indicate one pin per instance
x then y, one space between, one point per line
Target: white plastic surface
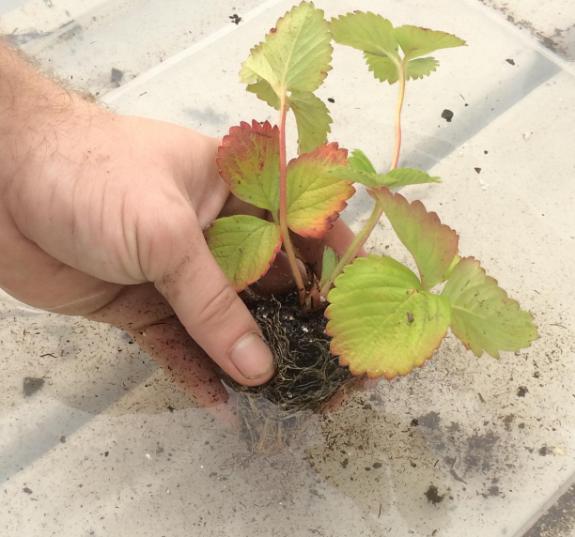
109 447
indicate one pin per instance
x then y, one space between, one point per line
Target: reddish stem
288 245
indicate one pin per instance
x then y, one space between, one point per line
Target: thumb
213 314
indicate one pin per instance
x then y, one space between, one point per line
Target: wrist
34 112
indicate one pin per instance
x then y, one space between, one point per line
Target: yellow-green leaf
264 91
484 318
401 177
359 169
314 196
383 68
248 160
421 67
432 244
367 32
374 36
381 321
416 41
295 55
358 161
244 247
312 119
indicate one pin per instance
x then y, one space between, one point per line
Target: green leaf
358 161
314 196
248 160
416 41
383 68
406 176
484 318
312 119
381 321
374 36
432 244
244 247
421 67
295 55
265 92
359 169
328 264
367 32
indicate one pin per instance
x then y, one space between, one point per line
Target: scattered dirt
433 496
31 385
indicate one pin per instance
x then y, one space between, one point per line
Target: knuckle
219 306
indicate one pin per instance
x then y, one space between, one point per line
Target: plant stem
360 239
290 250
398 110
355 246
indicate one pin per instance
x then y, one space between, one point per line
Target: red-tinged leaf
248 160
432 244
381 322
315 197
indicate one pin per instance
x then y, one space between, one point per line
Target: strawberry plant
383 319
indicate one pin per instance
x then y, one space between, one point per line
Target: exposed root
307 375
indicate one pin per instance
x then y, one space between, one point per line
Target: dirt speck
522 391
477 170
330 100
447 115
479 453
544 451
431 420
116 76
27 490
508 421
510 61
31 385
433 496
235 18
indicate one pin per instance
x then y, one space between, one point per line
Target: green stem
284 230
355 246
360 239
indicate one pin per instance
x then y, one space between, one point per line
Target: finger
212 312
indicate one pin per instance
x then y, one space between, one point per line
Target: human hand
103 217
